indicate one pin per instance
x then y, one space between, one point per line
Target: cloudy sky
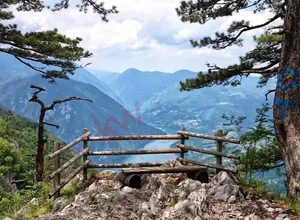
146 34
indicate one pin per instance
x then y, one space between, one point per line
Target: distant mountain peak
131 70
183 71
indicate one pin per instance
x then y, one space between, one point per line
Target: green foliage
261 152
71 190
17 162
49 48
266 54
18 146
11 203
235 123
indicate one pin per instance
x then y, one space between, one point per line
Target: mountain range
104 116
164 106
155 95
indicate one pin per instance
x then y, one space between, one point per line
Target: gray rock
199 201
282 216
144 206
271 209
224 178
182 196
162 197
59 204
263 201
33 203
7 218
279 210
190 185
232 199
146 216
224 192
252 217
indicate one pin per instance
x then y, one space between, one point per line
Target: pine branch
221 76
273 167
269 92
30 66
53 125
233 39
233 72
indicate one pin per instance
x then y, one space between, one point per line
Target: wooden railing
181 149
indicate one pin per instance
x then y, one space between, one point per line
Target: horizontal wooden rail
204 136
121 165
211 165
69 178
211 152
147 170
136 137
83 137
134 152
69 163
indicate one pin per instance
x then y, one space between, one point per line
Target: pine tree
49 48
276 55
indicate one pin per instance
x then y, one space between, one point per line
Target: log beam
69 163
204 136
83 137
210 152
136 137
135 152
148 170
69 178
122 165
211 165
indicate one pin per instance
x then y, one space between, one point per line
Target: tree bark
39 165
287 99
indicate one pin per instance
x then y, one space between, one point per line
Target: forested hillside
17 146
17 161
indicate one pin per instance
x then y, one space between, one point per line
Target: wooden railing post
56 167
182 142
219 149
85 157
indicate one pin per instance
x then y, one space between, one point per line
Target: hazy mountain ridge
11 69
73 117
164 106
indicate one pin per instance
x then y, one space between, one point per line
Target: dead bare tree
39 165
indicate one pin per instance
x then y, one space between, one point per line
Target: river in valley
159 144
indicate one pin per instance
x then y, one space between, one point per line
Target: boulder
59 204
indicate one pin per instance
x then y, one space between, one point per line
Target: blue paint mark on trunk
284 104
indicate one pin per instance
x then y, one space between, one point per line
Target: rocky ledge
168 197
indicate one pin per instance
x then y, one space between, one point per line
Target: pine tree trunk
287 99
39 164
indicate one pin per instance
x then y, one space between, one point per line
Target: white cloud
146 34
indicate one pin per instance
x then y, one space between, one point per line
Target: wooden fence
145 167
